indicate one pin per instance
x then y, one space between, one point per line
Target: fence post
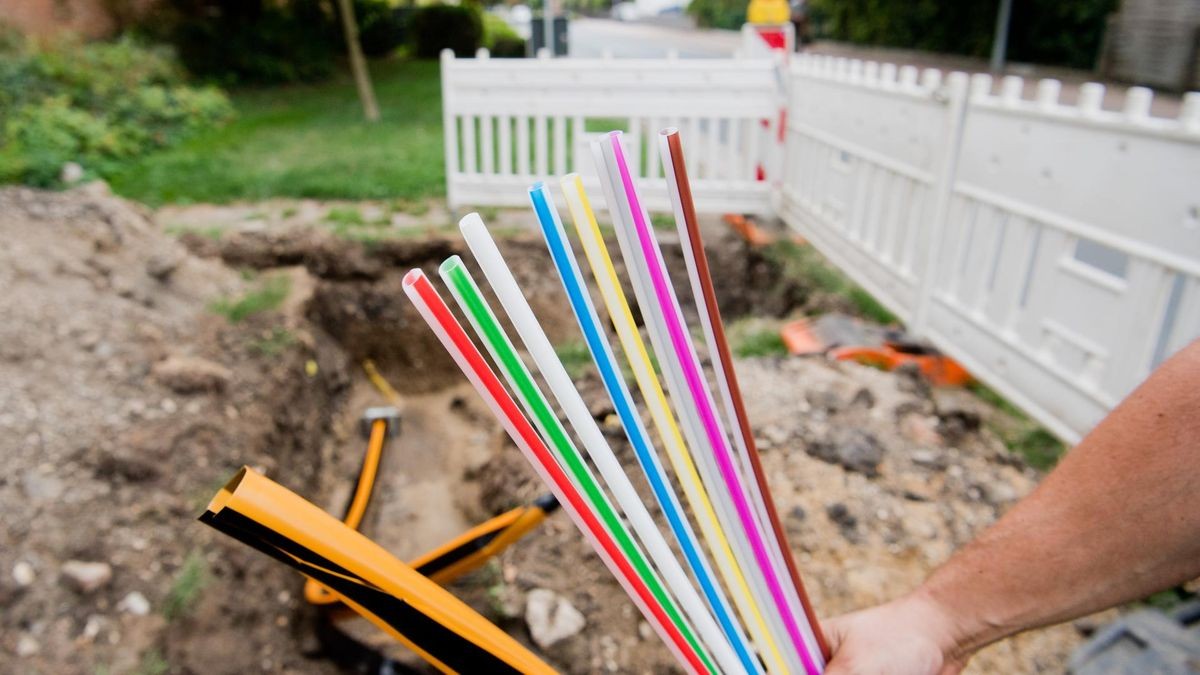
934 231
449 129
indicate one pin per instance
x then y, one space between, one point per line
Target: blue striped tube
614 383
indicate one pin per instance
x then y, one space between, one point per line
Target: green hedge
270 41
97 104
1051 32
433 28
718 13
500 39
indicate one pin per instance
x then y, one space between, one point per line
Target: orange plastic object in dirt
799 338
939 369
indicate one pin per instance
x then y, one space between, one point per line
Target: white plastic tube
681 461
542 352
702 451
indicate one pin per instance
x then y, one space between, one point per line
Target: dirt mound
140 372
108 463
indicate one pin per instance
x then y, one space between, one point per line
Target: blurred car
626 11
520 17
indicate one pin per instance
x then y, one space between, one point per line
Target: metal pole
1000 42
548 26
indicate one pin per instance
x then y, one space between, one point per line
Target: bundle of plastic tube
735 601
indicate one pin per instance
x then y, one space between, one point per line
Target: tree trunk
358 65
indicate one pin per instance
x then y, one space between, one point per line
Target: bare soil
105 462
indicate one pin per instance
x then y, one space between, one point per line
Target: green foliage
270 41
186 588
500 39
575 358
760 343
308 141
345 215
98 104
433 28
266 296
729 14
381 27
803 264
273 342
1057 32
1167 600
664 222
153 663
1018 432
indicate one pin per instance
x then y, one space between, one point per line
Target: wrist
956 635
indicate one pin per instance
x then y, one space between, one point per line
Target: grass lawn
308 141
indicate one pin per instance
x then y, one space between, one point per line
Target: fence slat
560 146
712 155
541 151
523 147
470 152
652 158
487 145
505 159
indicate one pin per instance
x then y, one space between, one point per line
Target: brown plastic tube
743 421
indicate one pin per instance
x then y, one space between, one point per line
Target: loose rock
23 574
27 646
86 577
190 374
551 618
853 449
135 603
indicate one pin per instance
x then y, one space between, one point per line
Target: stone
921 429
135 603
71 173
191 374
846 521
999 493
929 459
160 266
645 631
551 618
863 398
823 399
27 646
23 574
853 449
40 487
87 577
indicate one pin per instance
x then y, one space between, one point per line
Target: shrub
718 13
500 39
270 41
437 27
250 41
381 27
1058 32
95 104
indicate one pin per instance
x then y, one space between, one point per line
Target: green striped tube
469 298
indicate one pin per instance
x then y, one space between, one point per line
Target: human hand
908 636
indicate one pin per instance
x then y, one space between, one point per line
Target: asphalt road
590 37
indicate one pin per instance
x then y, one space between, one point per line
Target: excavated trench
451 465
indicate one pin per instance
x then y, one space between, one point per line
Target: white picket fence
1053 249
510 122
